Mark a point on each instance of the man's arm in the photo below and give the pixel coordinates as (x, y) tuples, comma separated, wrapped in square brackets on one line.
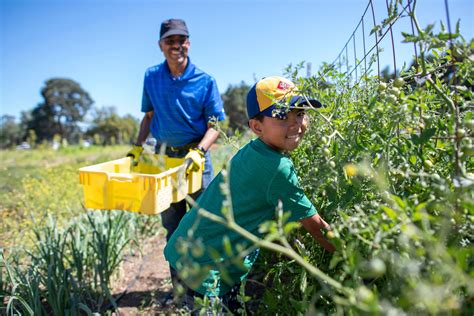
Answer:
[(144, 128), (313, 225), (209, 138)]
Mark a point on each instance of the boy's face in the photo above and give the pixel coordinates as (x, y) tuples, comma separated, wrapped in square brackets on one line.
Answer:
[(282, 134)]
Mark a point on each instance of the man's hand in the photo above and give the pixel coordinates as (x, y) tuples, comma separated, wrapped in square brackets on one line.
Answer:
[(135, 153), (194, 157)]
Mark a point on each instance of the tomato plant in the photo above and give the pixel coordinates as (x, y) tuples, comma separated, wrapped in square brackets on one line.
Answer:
[(390, 166)]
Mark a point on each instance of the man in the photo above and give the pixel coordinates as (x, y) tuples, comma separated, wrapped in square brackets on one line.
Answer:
[(179, 101)]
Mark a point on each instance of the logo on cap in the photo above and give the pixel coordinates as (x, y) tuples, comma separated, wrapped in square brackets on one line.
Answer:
[(283, 85)]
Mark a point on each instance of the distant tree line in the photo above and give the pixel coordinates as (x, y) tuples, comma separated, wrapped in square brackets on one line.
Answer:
[(235, 107), (61, 117)]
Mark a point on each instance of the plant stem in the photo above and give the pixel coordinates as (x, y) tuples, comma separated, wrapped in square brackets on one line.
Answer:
[(443, 95), (421, 33), (289, 252)]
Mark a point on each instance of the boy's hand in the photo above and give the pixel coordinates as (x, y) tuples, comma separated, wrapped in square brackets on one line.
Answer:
[(313, 225)]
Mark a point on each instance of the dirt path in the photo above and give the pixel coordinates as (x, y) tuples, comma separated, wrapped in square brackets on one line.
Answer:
[(145, 281)]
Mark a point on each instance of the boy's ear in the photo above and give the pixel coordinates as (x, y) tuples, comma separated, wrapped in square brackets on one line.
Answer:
[(255, 126)]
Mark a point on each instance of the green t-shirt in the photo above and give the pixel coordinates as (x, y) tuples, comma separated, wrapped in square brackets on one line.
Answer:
[(259, 177)]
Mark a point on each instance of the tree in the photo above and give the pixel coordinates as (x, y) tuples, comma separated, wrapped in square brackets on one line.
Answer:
[(235, 106), (10, 132), (65, 105), (108, 127)]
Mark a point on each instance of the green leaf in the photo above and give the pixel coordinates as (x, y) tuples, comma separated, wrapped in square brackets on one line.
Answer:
[(415, 139), (418, 216), (375, 29), (390, 212), (334, 261), (399, 201), (420, 206), (427, 134), (227, 245), (303, 281), (409, 38), (429, 28), (290, 227)]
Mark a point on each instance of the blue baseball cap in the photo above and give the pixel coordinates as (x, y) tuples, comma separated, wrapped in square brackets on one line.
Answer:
[(172, 27), (275, 96)]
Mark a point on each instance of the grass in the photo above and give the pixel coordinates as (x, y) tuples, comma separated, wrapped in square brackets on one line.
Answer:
[(59, 257), (38, 183)]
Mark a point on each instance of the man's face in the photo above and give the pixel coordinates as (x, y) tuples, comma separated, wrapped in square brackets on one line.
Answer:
[(175, 48)]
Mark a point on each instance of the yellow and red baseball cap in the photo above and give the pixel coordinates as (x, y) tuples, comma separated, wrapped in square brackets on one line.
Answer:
[(275, 96)]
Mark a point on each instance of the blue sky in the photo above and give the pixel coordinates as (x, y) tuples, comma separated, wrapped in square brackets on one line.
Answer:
[(106, 45)]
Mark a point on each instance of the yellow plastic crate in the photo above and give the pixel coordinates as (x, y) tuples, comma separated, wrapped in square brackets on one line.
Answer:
[(149, 188)]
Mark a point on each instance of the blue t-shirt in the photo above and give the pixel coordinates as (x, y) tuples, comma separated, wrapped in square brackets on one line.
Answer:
[(182, 106), (259, 177)]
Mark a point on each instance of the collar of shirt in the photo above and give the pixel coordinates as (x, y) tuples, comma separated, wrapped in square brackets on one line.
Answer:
[(185, 75)]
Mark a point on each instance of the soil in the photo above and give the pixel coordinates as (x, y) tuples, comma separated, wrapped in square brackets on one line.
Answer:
[(144, 283)]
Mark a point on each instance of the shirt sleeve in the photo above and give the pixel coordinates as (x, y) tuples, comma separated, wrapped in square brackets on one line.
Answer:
[(213, 103), (147, 106), (285, 188)]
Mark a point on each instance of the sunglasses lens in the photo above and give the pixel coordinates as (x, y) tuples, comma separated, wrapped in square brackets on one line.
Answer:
[(170, 41)]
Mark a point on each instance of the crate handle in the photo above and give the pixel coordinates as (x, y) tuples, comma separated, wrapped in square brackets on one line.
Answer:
[(121, 178)]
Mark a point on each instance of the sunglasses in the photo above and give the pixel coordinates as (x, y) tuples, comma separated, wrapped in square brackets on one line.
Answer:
[(171, 41)]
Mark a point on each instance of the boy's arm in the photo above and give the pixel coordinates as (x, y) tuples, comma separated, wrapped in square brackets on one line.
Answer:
[(313, 225)]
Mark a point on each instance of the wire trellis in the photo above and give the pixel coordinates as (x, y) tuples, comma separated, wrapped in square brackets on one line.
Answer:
[(354, 68)]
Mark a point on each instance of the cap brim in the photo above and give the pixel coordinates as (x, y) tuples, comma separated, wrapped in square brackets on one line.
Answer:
[(174, 32), (300, 102), (295, 103)]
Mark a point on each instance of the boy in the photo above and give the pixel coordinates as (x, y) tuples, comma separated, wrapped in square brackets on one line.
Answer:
[(259, 177)]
